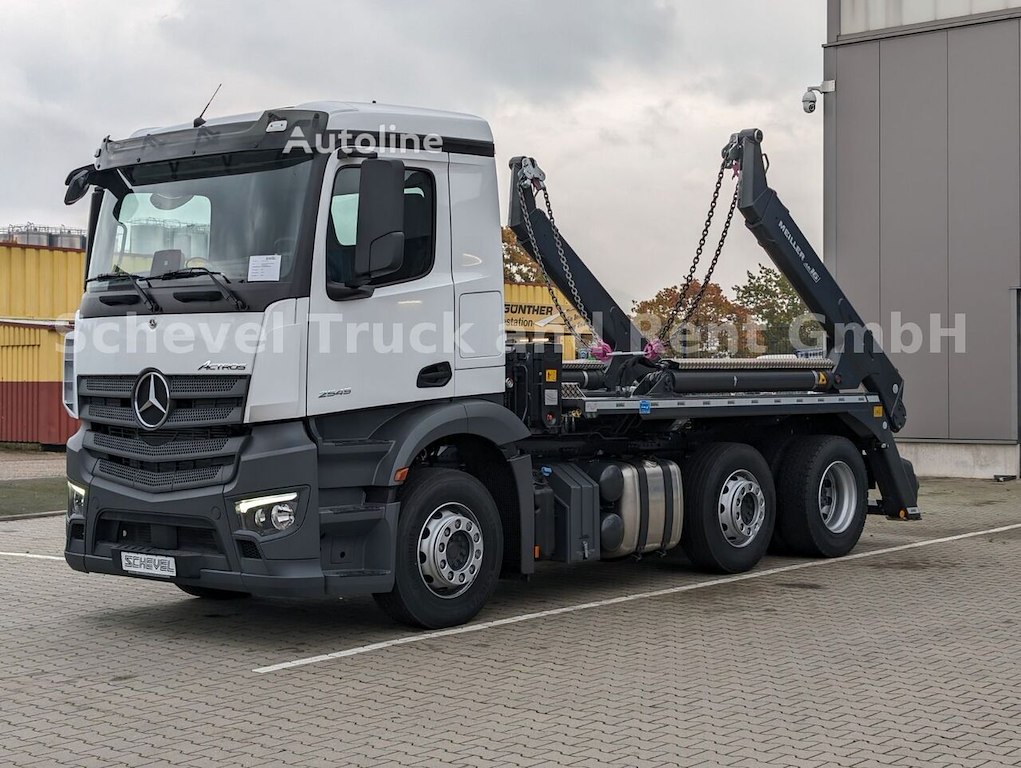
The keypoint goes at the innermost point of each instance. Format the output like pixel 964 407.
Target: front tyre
pixel 729 507
pixel 449 550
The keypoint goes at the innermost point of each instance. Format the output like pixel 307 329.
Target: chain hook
pixel 531 175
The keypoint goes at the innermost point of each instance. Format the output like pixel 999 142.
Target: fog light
pixel 282 516
pixel 268 514
pixel 75 499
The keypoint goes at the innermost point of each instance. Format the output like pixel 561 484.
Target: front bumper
pixel 340 550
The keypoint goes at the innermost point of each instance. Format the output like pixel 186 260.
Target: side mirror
pixel 379 248
pixel 77 182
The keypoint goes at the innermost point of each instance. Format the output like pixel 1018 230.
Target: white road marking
pixel 30 556
pixel 424 636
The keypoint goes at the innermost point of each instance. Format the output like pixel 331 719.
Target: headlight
pixel 268 514
pixel 75 499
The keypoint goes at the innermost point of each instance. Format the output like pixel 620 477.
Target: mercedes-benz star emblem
pixel 151 399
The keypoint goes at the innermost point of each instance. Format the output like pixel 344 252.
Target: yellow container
pixel 40 283
pixel 30 353
pixel 40 289
pixel 530 312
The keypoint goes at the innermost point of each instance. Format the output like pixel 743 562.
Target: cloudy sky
pixel 625 104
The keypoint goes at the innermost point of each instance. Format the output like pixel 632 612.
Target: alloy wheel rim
pixel 741 508
pixel 450 550
pixel 838 497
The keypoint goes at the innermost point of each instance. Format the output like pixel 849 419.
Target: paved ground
pixel 25 497
pixel 24 465
pixel 31 482
pixel 903 656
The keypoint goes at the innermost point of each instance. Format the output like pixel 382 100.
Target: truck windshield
pixel 237 215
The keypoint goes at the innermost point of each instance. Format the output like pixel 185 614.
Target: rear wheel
pixel 449 550
pixel 208 593
pixel 729 509
pixel 773 450
pixel 822 489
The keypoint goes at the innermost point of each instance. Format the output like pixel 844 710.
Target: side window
pixel 419 227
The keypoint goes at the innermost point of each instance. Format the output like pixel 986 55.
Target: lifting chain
pixel 531 176
pixel 689 279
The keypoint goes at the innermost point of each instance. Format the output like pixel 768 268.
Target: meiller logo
pixel 797 249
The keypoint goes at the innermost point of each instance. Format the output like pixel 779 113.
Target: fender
pixel 412 431
pixel 365 449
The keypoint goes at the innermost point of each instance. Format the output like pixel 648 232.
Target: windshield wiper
pixel 136 280
pixel 227 293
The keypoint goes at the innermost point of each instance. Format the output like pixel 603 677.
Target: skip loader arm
pixel 858 359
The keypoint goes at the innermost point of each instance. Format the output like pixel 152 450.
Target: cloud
pixel 449 52
pixel 625 105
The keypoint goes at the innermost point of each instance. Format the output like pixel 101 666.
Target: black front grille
pixel 180 386
pixel 197 540
pixel 179 444
pixel 192 385
pixel 116 529
pixel 197 446
pixel 248 548
pixel 172 479
pixel 105 411
pixel 108 385
pixel 124 532
pixel 195 401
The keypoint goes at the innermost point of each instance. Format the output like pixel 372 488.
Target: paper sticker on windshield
pixel 264 269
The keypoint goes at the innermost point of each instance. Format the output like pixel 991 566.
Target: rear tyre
pixel 208 593
pixel 773 451
pixel 822 490
pixel 729 508
pixel 449 550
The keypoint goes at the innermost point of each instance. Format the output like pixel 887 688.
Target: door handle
pixel 435 375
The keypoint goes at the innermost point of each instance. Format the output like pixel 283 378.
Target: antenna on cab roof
pixel 200 120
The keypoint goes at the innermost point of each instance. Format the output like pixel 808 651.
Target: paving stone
pixel 906 658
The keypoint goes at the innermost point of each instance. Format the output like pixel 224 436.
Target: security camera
pixel 810 99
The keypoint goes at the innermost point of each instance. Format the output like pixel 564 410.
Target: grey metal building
pixel 923 211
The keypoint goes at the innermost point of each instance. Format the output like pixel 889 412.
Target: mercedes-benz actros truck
pixel 293 380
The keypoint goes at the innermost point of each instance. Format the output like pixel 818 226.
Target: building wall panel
pixel 913 217
pixel 856 261
pixel 984 165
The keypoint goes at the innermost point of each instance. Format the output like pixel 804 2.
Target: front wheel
pixel 449 550
pixel 729 508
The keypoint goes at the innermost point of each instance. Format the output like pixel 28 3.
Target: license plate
pixel 149 565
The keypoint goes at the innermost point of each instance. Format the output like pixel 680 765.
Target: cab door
pixel 396 345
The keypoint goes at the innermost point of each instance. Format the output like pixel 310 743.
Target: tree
pixel 777 307
pixel 716 328
pixel 518 265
